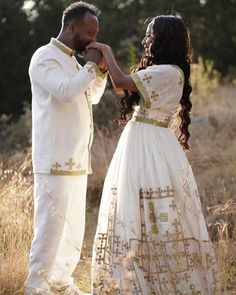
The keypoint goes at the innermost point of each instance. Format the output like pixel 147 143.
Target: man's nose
pixel 94 38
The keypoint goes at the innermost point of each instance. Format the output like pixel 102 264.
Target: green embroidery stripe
pixel 88 98
pixel 66 172
pixel 142 89
pixel 98 72
pixel 62 47
pixel 150 121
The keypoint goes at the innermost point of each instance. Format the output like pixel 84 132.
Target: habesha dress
pixel 151 237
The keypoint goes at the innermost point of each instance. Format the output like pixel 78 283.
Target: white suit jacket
pixel 62 122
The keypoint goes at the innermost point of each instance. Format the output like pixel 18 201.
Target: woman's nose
pixel 144 41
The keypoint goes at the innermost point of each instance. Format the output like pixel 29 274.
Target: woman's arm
pixel 119 79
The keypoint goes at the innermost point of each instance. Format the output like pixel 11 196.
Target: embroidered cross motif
pixel 178 230
pixel 154 96
pixel 147 78
pixel 144 112
pixel 69 168
pixel 164 282
pixel 173 205
pixel 159 192
pixel 101 249
pixel 70 164
pixel 117 243
pixel 56 166
pixel 90 70
pixel 151 279
pixel 180 256
pixel 194 260
pixel 169 192
pixel 186 276
pixel 136 288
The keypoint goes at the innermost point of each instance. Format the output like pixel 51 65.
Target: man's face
pixel 84 32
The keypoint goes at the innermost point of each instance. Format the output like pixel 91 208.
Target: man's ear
pixel 71 28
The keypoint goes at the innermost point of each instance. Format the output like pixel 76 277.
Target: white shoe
pixel 67 290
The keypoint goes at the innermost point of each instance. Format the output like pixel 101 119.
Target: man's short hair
pixel 77 10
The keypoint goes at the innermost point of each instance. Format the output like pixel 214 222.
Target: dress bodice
pixel 161 88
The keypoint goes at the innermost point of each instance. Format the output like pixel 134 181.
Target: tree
pixel 213 34
pixel 15 51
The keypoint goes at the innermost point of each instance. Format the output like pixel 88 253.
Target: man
pixel 63 93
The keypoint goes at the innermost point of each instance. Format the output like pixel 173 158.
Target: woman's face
pixel 148 39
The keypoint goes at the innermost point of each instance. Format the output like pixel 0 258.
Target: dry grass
pixel 213 158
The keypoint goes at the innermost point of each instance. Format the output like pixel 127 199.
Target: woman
pixel 151 236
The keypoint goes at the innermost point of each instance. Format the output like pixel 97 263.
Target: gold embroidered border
pixel 142 89
pixel 66 172
pixel 150 121
pixel 99 73
pixel 62 47
pixel 166 262
pixel 73 169
pixel 89 102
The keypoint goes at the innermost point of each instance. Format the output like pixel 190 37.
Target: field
pixel 212 156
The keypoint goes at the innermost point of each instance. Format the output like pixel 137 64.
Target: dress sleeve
pixel 142 85
pixel 159 85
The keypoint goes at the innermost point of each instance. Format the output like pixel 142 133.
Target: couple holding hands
pixel 151 235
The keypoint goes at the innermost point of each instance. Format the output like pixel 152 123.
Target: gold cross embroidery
pixel 178 232
pixel 116 248
pixel 70 164
pixel 173 205
pixel 144 112
pixel 56 166
pixel 186 276
pixel 78 167
pixel 90 70
pixel 169 192
pixel 154 96
pixel 101 248
pixel 147 78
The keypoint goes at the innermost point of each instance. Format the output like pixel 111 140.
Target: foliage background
pixel 26 25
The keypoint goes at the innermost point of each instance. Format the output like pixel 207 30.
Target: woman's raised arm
pixel 120 80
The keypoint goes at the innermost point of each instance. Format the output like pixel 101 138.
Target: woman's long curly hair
pixel 171 45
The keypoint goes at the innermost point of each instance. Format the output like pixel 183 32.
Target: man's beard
pixel 79 45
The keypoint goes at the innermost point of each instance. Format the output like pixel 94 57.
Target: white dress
pixel 151 237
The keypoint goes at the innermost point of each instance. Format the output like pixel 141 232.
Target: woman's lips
pixel 146 50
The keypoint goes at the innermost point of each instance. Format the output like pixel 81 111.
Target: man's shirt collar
pixel 62 47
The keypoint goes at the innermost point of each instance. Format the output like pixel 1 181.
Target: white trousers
pixel 59 222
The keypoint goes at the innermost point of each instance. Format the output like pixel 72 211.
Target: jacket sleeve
pixel 97 87
pixel 49 74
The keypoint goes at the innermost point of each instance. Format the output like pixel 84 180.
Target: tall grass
pixel 212 156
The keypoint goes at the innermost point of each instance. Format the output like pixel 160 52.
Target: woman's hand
pixel 93 55
pixel 100 46
pixel 120 80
